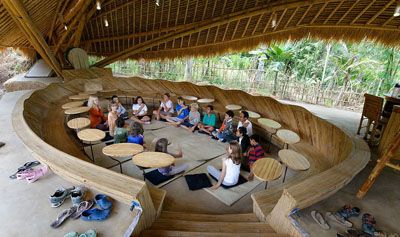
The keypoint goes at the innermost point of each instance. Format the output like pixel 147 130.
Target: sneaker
pixel 77 195
pixel 348 211
pixel 58 198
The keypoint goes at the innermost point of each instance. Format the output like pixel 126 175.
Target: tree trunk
pixel 259 74
pixel 275 83
pixel 328 50
pixel 188 70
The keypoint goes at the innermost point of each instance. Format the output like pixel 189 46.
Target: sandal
pixel 320 220
pixel 59 196
pixel 368 226
pixel 24 174
pixel 95 214
pixel 102 201
pixel 338 219
pixel 348 211
pixel 72 234
pixel 83 206
pixel 89 233
pixel 37 173
pixel 26 166
pixel 63 216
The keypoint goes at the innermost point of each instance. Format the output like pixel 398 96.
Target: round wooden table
pixel 121 150
pixel 91 135
pixel 253 115
pixel 233 107
pixel 72 104
pixel 287 137
pixel 151 159
pixel 205 100
pixel 189 97
pixel 293 160
pixel 79 97
pixel 269 124
pixel 77 110
pixel 78 123
pixel 267 169
pixel 108 90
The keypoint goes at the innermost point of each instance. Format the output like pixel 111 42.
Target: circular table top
pixel 79 97
pixel 87 93
pixel 267 169
pixel 288 136
pixel 253 114
pixel 293 159
pixel 122 149
pixel 78 123
pixel 269 123
pixel 189 97
pixel 108 90
pixel 205 100
pixel 233 107
pixel 152 159
pixel 77 110
pixel 91 135
pixel 72 104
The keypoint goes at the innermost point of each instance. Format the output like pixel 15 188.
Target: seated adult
pixel 96 115
pixel 254 153
pixel 225 132
pixel 245 122
pixel 162 146
pixel 209 121
pixel 166 108
pixel 121 111
pixel 139 111
pixel 136 133
pixel 182 113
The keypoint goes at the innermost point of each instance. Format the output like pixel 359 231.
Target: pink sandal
pixel 37 173
pixel 24 174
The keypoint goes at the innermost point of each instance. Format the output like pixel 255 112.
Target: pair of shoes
pixel 81 207
pixel 61 194
pixel 317 216
pixel 26 166
pixel 368 226
pixel 89 233
pixel 101 213
pixel 31 175
pixel 64 215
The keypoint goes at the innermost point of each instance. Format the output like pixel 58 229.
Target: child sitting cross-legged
pixel 254 153
pixel 182 113
pixel 136 133
pixel 193 118
pixel 230 167
pixel 225 132
pixel 162 146
pixel 139 111
pixel 120 133
pixel 209 119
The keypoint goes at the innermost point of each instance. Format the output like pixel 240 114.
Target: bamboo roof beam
pixel 291 17
pixel 258 22
pixel 280 19
pixel 333 12
pixel 53 22
pixel 380 11
pixel 348 11
pixel 21 17
pixel 362 12
pixel 318 13
pixel 304 15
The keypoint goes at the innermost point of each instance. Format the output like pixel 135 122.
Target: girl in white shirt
pixel 139 110
pixel 230 167
pixel 166 108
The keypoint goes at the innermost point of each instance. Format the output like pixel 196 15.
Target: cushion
pixel 241 180
pixel 197 181
pixel 156 178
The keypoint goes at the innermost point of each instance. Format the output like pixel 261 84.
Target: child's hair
pixel 161 145
pixel 120 122
pixel 243 131
pixel 194 105
pixel 236 154
pixel 230 113
pixel 137 98
pixel 113 97
pixel 245 114
pixel 181 99
pixel 91 101
pixel 113 104
pixel 167 94
pixel 136 129
pixel 255 137
pixel 211 107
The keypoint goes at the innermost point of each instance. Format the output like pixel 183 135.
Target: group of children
pixel 243 150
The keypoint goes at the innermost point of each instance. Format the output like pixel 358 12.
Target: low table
pixel 151 159
pixel 267 169
pixel 79 97
pixel 293 160
pixel 269 124
pixel 233 107
pixel 72 104
pixel 205 101
pixel 78 123
pixel 121 150
pixel 91 135
pixel 253 115
pixel 77 110
pixel 287 137
pixel 189 97
pixel 87 93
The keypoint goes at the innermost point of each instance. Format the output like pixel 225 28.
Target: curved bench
pixel 335 157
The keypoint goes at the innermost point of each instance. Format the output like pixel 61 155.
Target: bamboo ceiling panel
pixel 141 29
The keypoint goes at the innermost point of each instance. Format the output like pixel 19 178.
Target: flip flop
pixel 320 220
pixel 37 173
pixel 83 206
pixel 338 219
pixel 102 201
pixel 89 233
pixel 63 216
pixel 24 174
pixel 95 214
pixel 26 166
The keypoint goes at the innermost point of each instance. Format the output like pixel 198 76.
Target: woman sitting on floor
pixel 229 175
pixel 193 118
pixel 139 110
pixel 120 110
pixel 120 133
pixel 166 108
pixel 162 146
pixel 209 121
pixel 182 112
pixel 96 115
pixel 136 133
pixel 225 132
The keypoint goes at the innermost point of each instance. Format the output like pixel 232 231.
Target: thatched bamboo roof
pixel 140 28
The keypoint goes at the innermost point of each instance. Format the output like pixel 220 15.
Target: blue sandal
pixel 102 201
pixel 95 214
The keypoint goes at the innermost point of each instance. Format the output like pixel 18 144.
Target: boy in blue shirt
pixel 182 112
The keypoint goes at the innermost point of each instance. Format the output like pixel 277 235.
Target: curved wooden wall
pixel 334 156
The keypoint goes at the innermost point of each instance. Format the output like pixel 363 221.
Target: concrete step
pixel 171 233
pixel 247 217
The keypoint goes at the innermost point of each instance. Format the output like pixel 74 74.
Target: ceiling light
pixel 98 5
pixel 273 20
pixel 105 22
pixel 65 27
pixel 397 10
pixel 158 2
